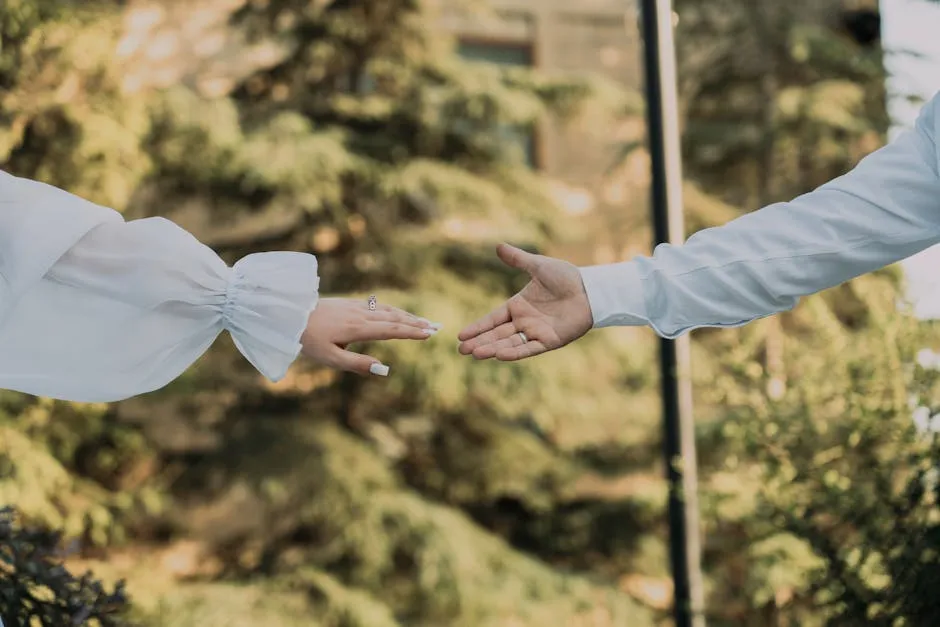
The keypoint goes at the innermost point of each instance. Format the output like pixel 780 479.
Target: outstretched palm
pixel 550 312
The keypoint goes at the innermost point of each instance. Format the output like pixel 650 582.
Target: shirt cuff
pixel 615 293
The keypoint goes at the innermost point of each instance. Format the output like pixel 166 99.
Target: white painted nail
pixel 379 370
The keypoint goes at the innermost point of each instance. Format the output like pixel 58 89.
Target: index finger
pixel 498 316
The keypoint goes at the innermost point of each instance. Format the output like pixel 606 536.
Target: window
pixel 511 54
pixel 500 54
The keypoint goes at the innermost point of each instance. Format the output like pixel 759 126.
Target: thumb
pixel 517 258
pixel 355 362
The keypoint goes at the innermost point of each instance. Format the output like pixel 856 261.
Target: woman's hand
pixel 338 322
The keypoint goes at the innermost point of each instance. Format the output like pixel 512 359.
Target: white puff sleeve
pixel 94 309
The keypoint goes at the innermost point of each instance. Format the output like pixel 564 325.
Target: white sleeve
pixel 883 211
pixel 131 305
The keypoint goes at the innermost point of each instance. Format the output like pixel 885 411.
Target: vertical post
pixel 662 106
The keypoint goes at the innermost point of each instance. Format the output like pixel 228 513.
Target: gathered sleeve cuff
pixel 269 297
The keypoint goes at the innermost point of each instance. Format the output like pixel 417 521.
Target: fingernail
pixel 429 332
pixel 379 370
pixel 437 326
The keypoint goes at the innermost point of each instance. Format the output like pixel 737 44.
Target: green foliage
pixel 460 493
pixel 35 590
pixel 18 25
pixel 430 564
pixel 360 503
pixel 769 81
pixel 65 120
pixel 846 478
pixel 810 455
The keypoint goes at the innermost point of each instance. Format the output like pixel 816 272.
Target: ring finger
pixel 502 337
pixel 488 338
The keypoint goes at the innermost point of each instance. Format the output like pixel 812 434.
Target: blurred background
pixel 399 141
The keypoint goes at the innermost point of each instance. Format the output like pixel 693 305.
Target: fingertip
pixel 379 369
pixel 413 333
pixel 432 330
pixel 471 348
pixel 424 323
pixel 505 252
pixel 512 256
pixel 482 353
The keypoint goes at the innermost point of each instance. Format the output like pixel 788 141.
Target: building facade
pixel 600 37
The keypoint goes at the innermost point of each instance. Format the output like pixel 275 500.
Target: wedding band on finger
pixel 372 303
pixel 523 337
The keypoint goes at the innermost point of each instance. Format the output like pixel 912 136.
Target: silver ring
pixel 372 302
pixel 522 336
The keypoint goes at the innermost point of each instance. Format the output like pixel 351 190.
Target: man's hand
pixel 550 312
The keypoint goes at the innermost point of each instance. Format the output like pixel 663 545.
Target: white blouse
pixel 95 309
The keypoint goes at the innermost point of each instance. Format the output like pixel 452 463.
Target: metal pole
pixel 678 426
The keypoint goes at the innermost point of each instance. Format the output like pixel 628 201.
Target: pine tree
pixel 370 144
pixel 373 146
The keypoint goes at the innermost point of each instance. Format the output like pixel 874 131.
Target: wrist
pixel 615 295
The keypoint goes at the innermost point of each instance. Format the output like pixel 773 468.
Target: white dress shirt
pixel 883 211
pixel 93 308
